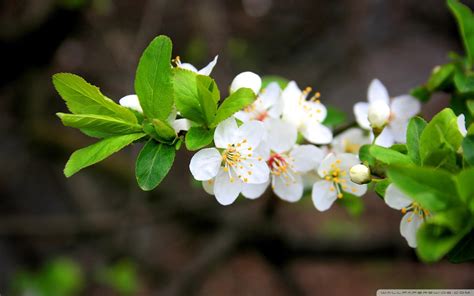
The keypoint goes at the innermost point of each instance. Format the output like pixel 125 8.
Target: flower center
pixel 280 166
pixel 337 177
pixel 350 147
pixel 416 209
pixel 262 116
pixel 231 156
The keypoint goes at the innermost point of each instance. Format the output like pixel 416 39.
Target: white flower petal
pixel 281 135
pixel 306 157
pixel 291 96
pixel 205 164
pixel 348 160
pixel 398 128
pixel 181 125
pixel 353 188
pixel 350 141
pixel 243 116
pixel 405 107
pixel 325 166
pixel 409 226
pixel 316 133
pixel 252 133
pixel 187 66
pixel 377 92
pixel 253 171
pixel 208 186
pixel 270 95
pixel 208 69
pixel 385 139
pixel 132 102
pixel 253 191
pixel 361 112
pixel 462 125
pixel 396 199
pixel 322 196
pixel 288 190
pixel 226 189
pixel 226 133
pixel 246 79
pixel 263 150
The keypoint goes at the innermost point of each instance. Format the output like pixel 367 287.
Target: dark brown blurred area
pixel 183 242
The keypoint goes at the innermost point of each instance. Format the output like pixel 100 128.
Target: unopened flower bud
pixel 246 79
pixel 360 174
pixel 379 113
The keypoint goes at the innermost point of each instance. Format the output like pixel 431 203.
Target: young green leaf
pixel 153 164
pixel 468 149
pixel 434 189
pixel 440 77
pixel 153 81
pixel 465 188
pixel 380 158
pixel 99 151
pixel 235 102
pixel 205 86
pixel 99 125
pixel 440 140
pixel 164 130
pixel 414 130
pixel 84 98
pixel 464 82
pixel 186 95
pixel 465 20
pixel 198 137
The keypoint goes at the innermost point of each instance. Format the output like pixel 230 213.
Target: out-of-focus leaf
pixel 465 20
pixel 334 117
pixel 440 77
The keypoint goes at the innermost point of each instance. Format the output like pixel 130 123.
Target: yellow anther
pixel 249 149
pixel 231 180
pixel 332 189
pixel 246 180
pixel 338 161
pixel 226 169
pixel 249 172
pixel 339 195
pixel 404 210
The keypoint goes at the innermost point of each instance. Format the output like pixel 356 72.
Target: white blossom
pixel 234 162
pixel 246 79
pixel 306 115
pixel 402 109
pixel 414 214
pixel 334 171
pixel 462 125
pixel 204 71
pixel 350 141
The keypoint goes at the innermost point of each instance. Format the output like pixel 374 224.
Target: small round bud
pixel 360 174
pixel 246 79
pixel 379 113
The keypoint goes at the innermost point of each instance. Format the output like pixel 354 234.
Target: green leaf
pixel 99 125
pixel 438 235
pixel 466 188
pixel 153 81
pixel 464 250
pixel 186 95
pixel 99 151
pixel 334 117
pixel 470 106
pixel 402 148
pixel 440 140
pixel 198 137
pixel 414 130
pixel 440 77
pixel 464 83
pixel 84 98
pixel 421 93
pixel 164 131
pixel 468 149
pixel 465 20
pixel 381 187
pixel 153 164
pixel 235 102
pixel 378 158
pixel 207 100
pixel 434 189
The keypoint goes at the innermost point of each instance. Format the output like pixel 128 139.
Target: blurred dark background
pixel 177 238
